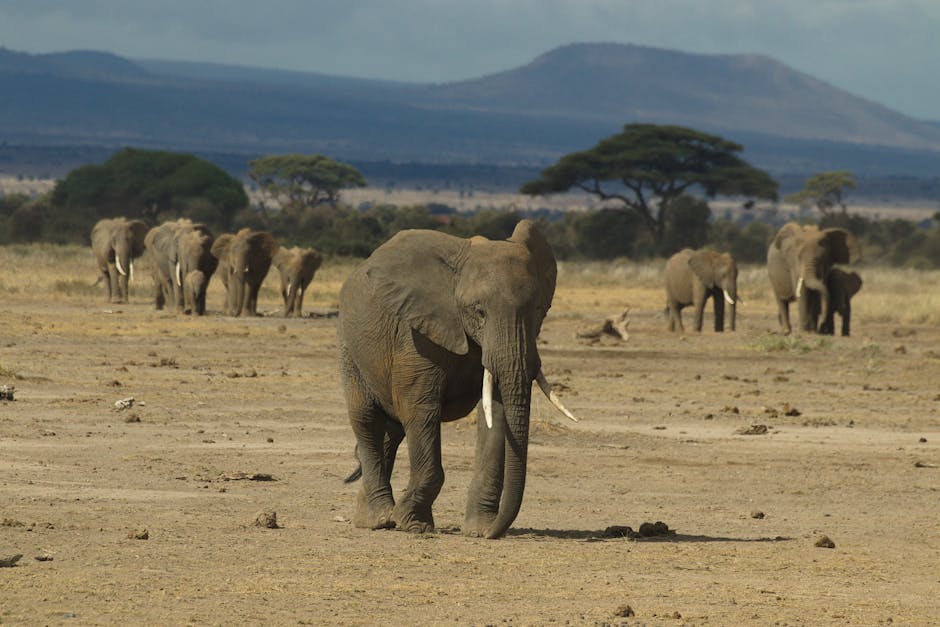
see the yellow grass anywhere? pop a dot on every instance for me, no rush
(889, 295)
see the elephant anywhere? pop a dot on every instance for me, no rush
(116, 242)
(296, 267)
(842, 287)
(194, 292)
(692, 276)
(429, 325)
(178, 248)
(244, 260)
(799, 261)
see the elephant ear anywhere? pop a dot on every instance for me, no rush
(281, 257)
(843, 246)
(854, 283)
(262, 240)
(789, 232)
(221, 245)
(313, 260)
(413, 276)
(702, 263)
(528, 234)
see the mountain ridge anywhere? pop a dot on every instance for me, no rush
(563, 100)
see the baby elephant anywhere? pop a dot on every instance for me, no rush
(296, 267)
(194, 292)
(842, 287)
(692, 276)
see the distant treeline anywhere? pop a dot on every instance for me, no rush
(584, 235)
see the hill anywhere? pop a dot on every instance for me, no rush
(564, 100)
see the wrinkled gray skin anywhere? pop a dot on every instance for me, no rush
(114, 242)
(296, 267)
(244, 260)
(808, 252)
(418, 322)
(842, 287)
(694, 276)
(176, 249)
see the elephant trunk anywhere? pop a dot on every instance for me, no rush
(811, 280)
(122, 262)
(513, 368)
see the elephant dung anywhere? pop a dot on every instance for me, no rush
(267, 519)
(6, 392)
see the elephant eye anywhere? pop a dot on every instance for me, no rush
(479, 311)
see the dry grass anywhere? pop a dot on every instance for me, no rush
(890, 295)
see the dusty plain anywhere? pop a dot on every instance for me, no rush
(847, 446)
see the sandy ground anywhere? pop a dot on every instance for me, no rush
(851, 451)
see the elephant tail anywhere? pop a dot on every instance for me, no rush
(354, 475)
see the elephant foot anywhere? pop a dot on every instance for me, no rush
(372, 515)
(477, 524)
(413, 519)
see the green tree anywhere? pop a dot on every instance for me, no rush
(648, 166)
(295, 182)
(825, 191)
(152, 184)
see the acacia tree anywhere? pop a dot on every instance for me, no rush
(648, 166)
(298, 181)
(825, 191)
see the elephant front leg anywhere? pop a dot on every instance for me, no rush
(783, 316)
(486, 487)
(413, 510)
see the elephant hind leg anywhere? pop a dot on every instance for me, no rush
(374, 502)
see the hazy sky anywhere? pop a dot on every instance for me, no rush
(885, 50)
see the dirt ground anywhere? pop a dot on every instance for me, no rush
(845, 443)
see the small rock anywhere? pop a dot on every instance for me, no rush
(757, 514)
(900, 349)
(124, 403)
(10, 560)
(140, 534)
(624, 611)
(132, 418)
(43, 557)
(924, 465)
(266, 519)
(620, 531)
(676, 615)
(922, 440)
(753, 430)
(270, 440)
(825, 543)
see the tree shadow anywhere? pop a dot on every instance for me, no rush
(603, 535)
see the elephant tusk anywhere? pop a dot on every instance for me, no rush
(546, 388)
(131, 277)
(488, 397)
(799, 286)
(179, 279)
(728, 297)
(117, 262)
(288, 286)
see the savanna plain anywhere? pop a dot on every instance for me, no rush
(749, 445)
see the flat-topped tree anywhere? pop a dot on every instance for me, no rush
(825, 191)
(298, 181)
(648, 166)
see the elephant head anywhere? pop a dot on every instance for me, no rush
(116, 243)
(248, 259)
(296, 267)
(808, 254)
(718, 272)
(483, 302)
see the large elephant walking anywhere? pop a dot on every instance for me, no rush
(799, 261)
(296, 267)
(244, 260)
(116, 242)
(694, 276)
(428, 326)
(177, 250)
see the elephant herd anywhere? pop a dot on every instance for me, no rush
(800, 264)
(184, 256)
